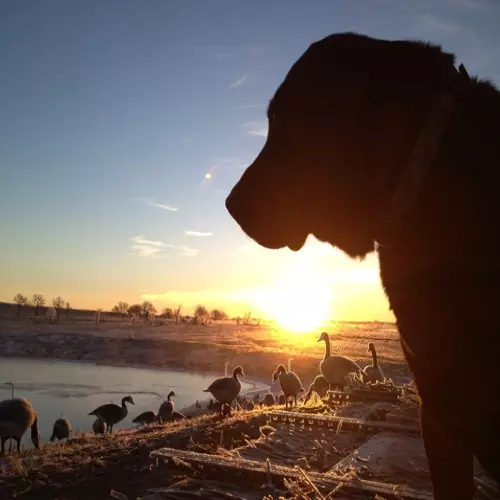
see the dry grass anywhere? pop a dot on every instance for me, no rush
(259, 349)
(89, 467)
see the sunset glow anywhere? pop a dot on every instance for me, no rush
(301, 301)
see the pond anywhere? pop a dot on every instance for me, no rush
(73, 389)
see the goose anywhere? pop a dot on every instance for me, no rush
(111, 414)
(269, 399)
(197, 405)
(282, 399)
(167, 408)
(177, 415)
(225, 410)
(373, 372)
(319, 385)
(61, 429)
(249, 406)
(16, 417)
(335, 369)
(226, 389)
(214, 406)
(146, 417)
(98, 426)
(290, 383)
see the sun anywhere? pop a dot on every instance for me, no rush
(301, 300)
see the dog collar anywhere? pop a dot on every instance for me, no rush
(425, 150)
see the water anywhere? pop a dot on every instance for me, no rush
(57, 388)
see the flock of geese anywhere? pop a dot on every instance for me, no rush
(17, 415)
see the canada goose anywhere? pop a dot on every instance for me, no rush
(373, 372)
(177, 415)
(147, 417)
(335, 369)
(226, 389)
(214, 406)
(249, 406)
(98, 426)
(269, 399)
(166, 409)
(225, 410)
(282, 399)
(111, 414)
(16, 416)
(256, 398)
(197, 405)
(61, 429)
(319, 385)
(290, 384)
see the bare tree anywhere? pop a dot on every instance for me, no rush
(20, 300)
(168, 313)
(201, 311)
(38, 301)
(58, 303)
(121, 308)
(177, 313)
(135, 309)
(218, 315)
(147, 308)
(247, 318)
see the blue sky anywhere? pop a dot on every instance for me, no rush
(113, 112)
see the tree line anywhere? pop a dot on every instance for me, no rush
(38, 301)
(201, 313)
(147, 308)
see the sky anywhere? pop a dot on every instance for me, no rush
(125, 124)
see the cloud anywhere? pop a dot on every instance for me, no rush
(197, 233)
(476, 5)
(152, 248)
(147, 248)
(256, 127)
(233, 301)
(224, 52)
(250, 106)
(239, 82)
(188, 251)
(170, 208)
(140, 240)
(436, 25)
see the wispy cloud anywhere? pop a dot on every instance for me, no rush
(437, 25)
(197, 233)
(188, 251)
(170, 208)
(239, 82)
(147, 248)
(224, 52)
(477, 5)
(250, 106)
(256, 127)
(143, 247)
(143, 241)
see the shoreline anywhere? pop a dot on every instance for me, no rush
(257, 385)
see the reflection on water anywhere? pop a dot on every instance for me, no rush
(57, 388)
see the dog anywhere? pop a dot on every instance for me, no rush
(378, 145)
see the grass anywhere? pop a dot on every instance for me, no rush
(89, 466)
(259, 349)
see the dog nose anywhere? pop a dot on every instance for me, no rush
(234, 204)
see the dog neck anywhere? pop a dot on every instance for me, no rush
(424, 153)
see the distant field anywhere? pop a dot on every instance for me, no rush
(259, 349)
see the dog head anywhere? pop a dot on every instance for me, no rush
(341, 127)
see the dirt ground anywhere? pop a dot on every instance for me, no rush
(90, 467)
(259, 349)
